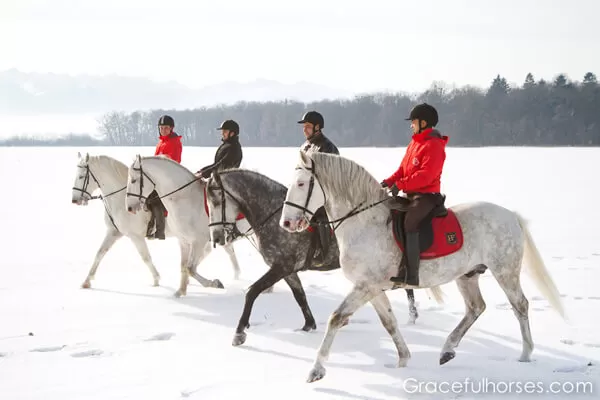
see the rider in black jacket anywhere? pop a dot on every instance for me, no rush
(317, 142)
(229, 154)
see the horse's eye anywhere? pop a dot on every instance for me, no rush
(300, 184)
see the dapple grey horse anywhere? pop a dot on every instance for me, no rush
(260, 199)
(494, 238)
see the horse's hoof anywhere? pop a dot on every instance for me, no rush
(447, 356)
(217, 283)
(86, 285)
(239, 339)
(402, 362)
(525, 358)
(317, 373)
(309, 327)
(178, 294)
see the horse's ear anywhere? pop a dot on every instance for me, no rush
(87, 157)
(138, 158)
(304, 158)
(79, 155)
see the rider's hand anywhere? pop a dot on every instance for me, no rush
(383, 184)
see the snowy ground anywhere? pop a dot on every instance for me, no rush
(124, 339)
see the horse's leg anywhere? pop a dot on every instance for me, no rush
(295, 284)
(198, 255)
(109, 240)
(142, 248)
(357, 297)
(383, 308)
(234, 261)
(511, 285)
(185, 250)
(413, 314)
(272, 276)
(474, 306)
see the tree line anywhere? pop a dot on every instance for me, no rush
(561, 112)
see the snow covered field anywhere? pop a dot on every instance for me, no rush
(124, 339)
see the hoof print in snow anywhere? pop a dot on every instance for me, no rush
(47, 349)
(88, 353)
(161, 337)
(568, 341)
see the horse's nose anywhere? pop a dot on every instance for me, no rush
(74, 201)
(286, 223)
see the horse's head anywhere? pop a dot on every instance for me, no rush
(139, 186)
(85, 182)
(303, 198)
(222, 212)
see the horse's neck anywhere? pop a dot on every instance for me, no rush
(339, 210)
(168, 180)
(109, 180)
(259, 207)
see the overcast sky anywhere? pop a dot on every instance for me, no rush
(355, 44)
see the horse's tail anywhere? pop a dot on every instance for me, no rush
(437, 293)
(537, 270)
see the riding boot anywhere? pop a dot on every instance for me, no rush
(150, 227)
(413, 259)
(323, 238)
(160, 224)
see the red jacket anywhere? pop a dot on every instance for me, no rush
(169, 146)
(421, 167)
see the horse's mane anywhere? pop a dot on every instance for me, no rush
(120, 170)
(258, 175)
(346, 179)
(168, 160)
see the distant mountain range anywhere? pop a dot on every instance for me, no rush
(47, 93)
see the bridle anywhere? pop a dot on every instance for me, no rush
(145, 198)
(313, 174)
(231, 228)
(311, 186)
(84, 190)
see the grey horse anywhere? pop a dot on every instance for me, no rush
(260, 199)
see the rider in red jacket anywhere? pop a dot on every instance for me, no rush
(169, 145)
(419, 177)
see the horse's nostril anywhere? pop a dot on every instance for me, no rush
(286, 223)
(130, 208)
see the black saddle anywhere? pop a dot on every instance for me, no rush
(398, 211)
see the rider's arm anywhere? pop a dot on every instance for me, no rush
(430, 167)
(394, 177)
(225, 156)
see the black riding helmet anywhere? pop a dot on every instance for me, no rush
(166, 120)
(424, 112)
(230, 125)
(314, 118)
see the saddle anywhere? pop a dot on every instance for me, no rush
(398, 208)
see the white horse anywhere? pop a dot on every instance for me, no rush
(110, 177)
(494, 238)
(182, 194)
